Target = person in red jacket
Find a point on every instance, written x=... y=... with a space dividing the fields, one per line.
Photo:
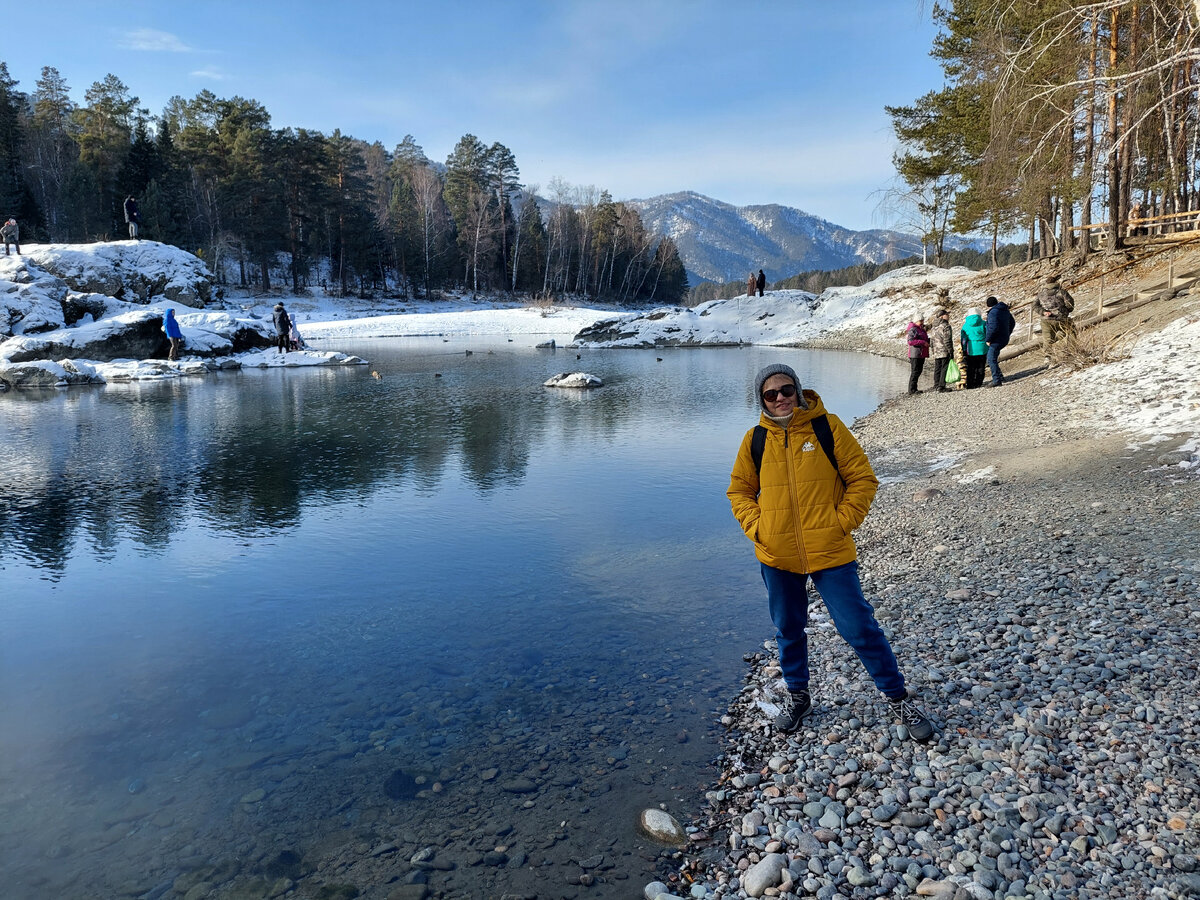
x=799 y=507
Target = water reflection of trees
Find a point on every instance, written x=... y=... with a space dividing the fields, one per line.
x=249 y=452
x=247 y=456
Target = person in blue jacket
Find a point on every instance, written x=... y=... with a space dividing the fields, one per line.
x=997 y=331
x=974 y=347
x=174 y=334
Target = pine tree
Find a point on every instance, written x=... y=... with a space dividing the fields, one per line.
x=670 y=280
x=306 y=176
x=466 y=181
x=15 y=196
x=105 y=128
x=502 y=176
x=52 y=149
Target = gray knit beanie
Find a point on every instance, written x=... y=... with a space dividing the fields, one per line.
x=777 y=369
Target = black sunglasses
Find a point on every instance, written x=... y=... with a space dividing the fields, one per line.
x=788 y=390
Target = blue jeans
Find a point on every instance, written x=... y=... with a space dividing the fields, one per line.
x=787 y=597
x=993 y=362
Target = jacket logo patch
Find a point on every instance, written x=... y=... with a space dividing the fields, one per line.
x=808 y=447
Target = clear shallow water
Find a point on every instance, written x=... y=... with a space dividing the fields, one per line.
x=231 y=609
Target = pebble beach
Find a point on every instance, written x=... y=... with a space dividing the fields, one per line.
x=1037 y=575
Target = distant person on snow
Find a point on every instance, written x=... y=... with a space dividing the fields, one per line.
x=918 y=349
x=1056 y=305
x=941 y=346
x=171 y=328
x=12 y=234
x=798 y=502
x=751 y=284
x=132 y=217
x=283 y=327
x=997 y=330
x=974 y=347
x=761 y=282
x=294 y=338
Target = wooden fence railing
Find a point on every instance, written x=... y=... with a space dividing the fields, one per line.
x=1027 y=311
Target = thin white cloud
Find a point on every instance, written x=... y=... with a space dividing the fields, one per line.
x=154 y=41
x=210 y=74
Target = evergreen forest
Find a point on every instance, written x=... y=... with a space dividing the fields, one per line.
x=297 y=209
x=1072 y=123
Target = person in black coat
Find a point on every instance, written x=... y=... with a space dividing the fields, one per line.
x=997 y=331
x=761 y=282
x=132 y=217
x=283 y=327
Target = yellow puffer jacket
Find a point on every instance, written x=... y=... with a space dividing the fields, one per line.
x=796 y=510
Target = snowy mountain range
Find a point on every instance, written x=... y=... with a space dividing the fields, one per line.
x=721 y=242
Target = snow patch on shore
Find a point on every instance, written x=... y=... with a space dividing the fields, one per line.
x=1153 y=393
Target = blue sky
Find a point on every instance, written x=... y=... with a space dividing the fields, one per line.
x=748 y=102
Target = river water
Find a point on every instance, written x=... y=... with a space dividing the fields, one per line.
x=273 y=633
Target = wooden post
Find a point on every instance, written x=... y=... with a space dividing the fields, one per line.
x=1100 y=302
x=1171 y=272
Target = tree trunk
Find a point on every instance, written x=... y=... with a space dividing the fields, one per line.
x=1116 y=237
x=1089 y=145
x=1130 y=136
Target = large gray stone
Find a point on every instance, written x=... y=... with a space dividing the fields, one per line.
x=766 y=873
x=661 y=827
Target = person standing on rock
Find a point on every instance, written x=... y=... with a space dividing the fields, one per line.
x=997 y=330
x=751 y=284
x=174 y=334
x=941 y=347
x=800 y=485
x=12 y=234
x=974 y=347
x=918 y=349
x=132 y=217
x=1056 y=305
x=283 y=327
x=761 y=282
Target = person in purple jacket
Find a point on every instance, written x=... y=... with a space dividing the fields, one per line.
x=918 y=349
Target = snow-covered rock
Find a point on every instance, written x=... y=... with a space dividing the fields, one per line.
x=573 y=380
x=47 y=373
x=780 y=318
x=137 y=334
x=31 y=299
x=134 y=271
x=40 y=373
x=130 y=334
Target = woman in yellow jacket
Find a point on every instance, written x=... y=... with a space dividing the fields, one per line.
x=799 y=508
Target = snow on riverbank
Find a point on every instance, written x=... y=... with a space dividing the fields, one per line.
x=882 y=307
x=463 y=320
x=1154 y=393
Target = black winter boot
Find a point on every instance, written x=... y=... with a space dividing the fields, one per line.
x=912 y=717
x=797 y=706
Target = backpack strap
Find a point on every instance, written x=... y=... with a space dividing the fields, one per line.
x=758 y=443
x=820 y=427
